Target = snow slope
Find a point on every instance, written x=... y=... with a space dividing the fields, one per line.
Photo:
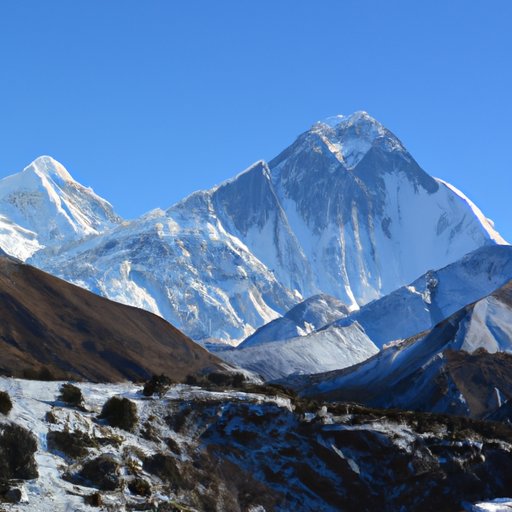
x=434 y=296
x=344 y=211
x=276 y=349
x=329 y=349
x=302 y=319
x=182 y=265
x=44 y=206
x=198 y=449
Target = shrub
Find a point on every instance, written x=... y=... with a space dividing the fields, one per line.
x=17 y=449
x=120 y=412
x=93 y=500
x=72 y=444
x=158 y=384
x=42 y=373
x=13 y=495
x=234 y=380
x=191 y=380
x=5 y=403
x=102 y=472
x=164 y=467
x=217 y=379
x=140 y=487
x=50 y=417
x=71 y=395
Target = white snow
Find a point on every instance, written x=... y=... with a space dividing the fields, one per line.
x=496 y=505
x=330 y=349
x=43 y=206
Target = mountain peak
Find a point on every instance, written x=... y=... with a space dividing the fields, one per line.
x=358 y=117
x=50 y=168
x=350 y=137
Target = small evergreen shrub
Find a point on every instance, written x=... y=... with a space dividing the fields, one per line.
x=5 y=403
x=17 y=449
x=140 y=487
x=165 y=468
x=120 y=412
x=157 y=385
x=102 y=472
x=71 y=395
x=93 y=500
x=72 y=444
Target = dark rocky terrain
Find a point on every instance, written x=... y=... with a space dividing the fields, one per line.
x=252 y=449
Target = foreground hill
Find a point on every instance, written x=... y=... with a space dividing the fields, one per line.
x=218 y=450
x=47 y=323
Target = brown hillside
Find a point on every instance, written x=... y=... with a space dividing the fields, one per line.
x=46 y=322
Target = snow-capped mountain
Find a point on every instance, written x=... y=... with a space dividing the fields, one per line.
x=344 y=211
x=302 y=319
x=329 y=349
x=338 y=340
x=44 y=206
x=180 y=264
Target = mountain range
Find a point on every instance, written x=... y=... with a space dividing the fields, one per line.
x=344 y=211
x=461 y=366
x=373 y=300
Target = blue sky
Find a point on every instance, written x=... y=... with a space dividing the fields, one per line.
x=147 y=101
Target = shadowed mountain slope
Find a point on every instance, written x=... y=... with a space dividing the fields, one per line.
x=46 y=322
x=462 y=366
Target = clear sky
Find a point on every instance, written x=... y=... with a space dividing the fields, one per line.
x=149 y=100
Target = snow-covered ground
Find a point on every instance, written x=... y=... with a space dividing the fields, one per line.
x=233 y=450
x=497 y=505
x=33 y=400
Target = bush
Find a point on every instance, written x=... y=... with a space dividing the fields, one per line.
x=93 y=500
x=217 y=379
x=120 y=412
x=17 y=449
x=42 y=373
x=140 y=487
x=102 y=472
x=158 y=384
x=72 y=444
x=191 y=380
x=164 y=467
x=5 y=403
x=226 y=379
x=71 y=395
